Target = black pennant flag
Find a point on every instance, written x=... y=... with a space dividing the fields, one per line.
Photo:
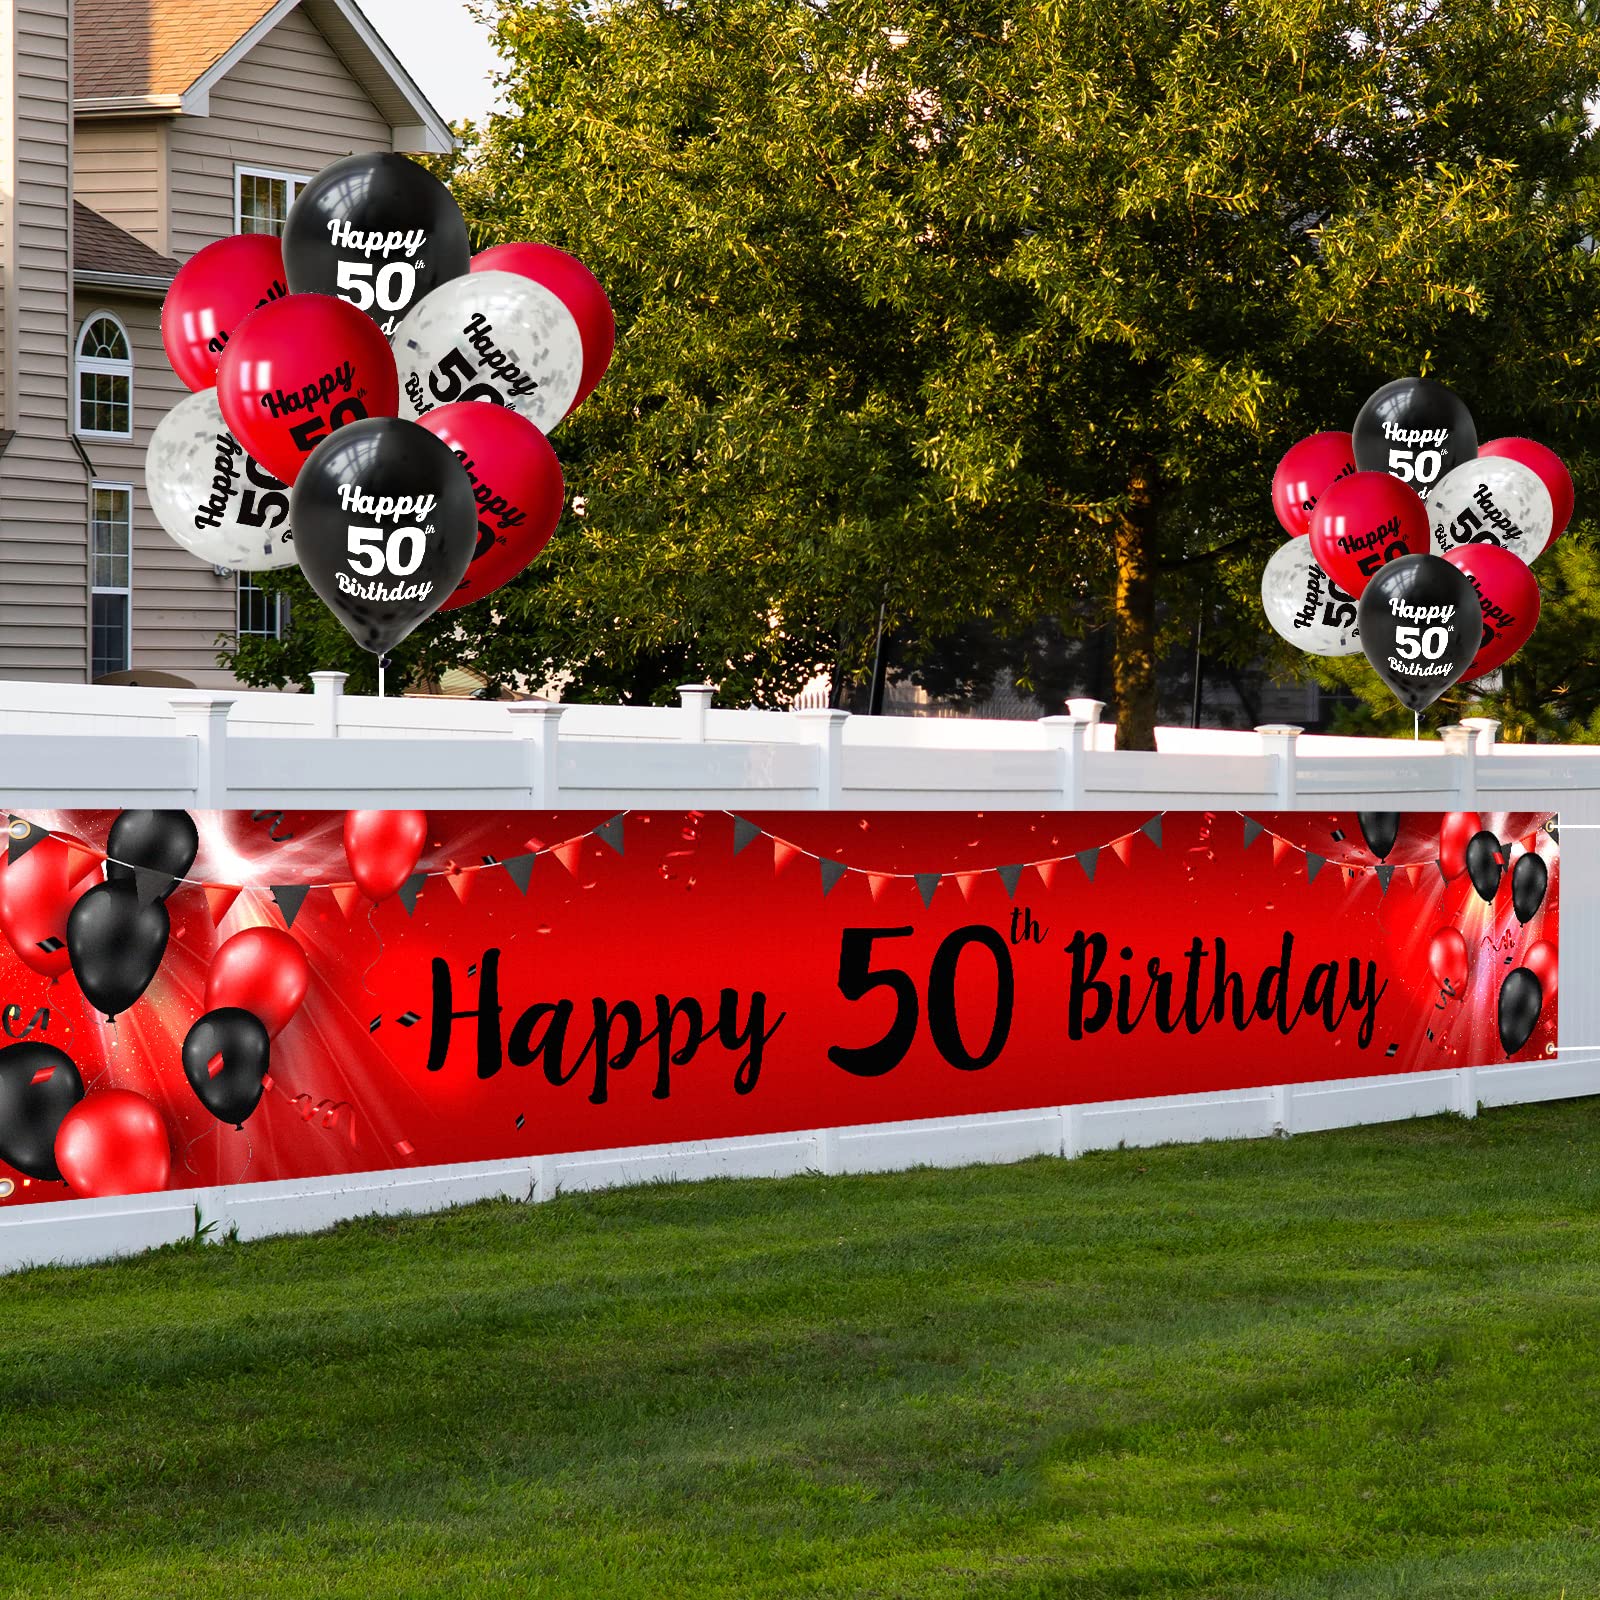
x=1252 y=829
x=410 y=889
x=1314 y=865
x=521 y=870
x=1385 y=873
x=1152 y=831
x=21 y=837
x=290 y=897
x=611 y=832
x=1010 y=877
x=744 y=833
x=1088 y=859
x=832 y=872
x=927 y=882
x=150 y=883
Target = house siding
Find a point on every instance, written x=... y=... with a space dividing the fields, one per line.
x=289 y=105
x=119 y=168
x=44 y=598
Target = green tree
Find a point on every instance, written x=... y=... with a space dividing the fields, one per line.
x=997 y=312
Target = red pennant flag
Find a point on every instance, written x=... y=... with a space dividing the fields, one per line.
x=220 y=897
x=81 y=861
x=1047 y=871
x=879 y=883
x=570 y=855
x=347 y=897
x=968 y=883
x=782 y=854
x=1414 y=876
x=461 y=882
x=1281 y=848
x=1123 y=849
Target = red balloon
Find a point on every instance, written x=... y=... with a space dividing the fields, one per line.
x=1540 y=960
x=1304 y=474
x=263 y=971
x=214 y=291
x=37 y=891
x=1509 y=595
x=383 y=847
x=1551 y=471
x=1447 y=959
x=1456 y=832
x=114 y=1142
x=576 y=287
x=299 y=368
x=1364 y=521
x=517 y=483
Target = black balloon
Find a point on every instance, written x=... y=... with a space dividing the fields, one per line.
x=376 y=230
x=39 y=1085
x=1380 y=829
x=1421 y=622
x=385 y=526
x=1529 y=880
x=238 y=1041
x=1414 y=429
x=116 y=943
x=1521 y=1000
x=164 y=842
x=1485 y=863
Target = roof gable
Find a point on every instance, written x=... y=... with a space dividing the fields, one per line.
x=104 y=253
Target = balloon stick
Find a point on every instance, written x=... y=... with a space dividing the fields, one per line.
x=1416 y=725
x=383 y=663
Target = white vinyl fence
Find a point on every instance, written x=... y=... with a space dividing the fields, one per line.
x=70 y=746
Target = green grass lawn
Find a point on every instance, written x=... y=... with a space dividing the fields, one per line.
x=1355 y=1364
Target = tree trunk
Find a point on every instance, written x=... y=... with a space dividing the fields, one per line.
x=1134 y=668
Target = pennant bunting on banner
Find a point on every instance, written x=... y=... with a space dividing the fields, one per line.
x=1413 y=876
x=1010 y=877
x=1152 y=831
x=1047 y=871
x=968 y=883
x=520 y=870
x=461 y=883
x=21 y=837
x=1280 y=849
x=347 y=897
x=927 y=884
x=220 y=898
x=611 y=832
x=1385 y=872
x=290 y=897
x=1442 y=873
x=80 y=862
x=1252 y=831
x=150 y=883
x=1314 y=865
x=744 y=833
x=832 y=872
x=1122 y=849
x=1089 y=860
x=570 y=855
x=879 y=883
x=783 y=853
x=410 y=889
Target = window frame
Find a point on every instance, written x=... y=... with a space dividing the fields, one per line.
x=115 y=486
x=292 y=181
x=280 y=609
x=104 y=366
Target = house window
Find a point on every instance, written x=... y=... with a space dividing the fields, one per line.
x=110 y=576
x=261 y=615
x=262 y=198
x=105 y=379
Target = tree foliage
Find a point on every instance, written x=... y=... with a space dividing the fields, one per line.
x=999 y=312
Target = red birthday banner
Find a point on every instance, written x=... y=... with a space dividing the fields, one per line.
x=298 y=994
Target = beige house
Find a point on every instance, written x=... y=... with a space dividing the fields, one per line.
x=132 y=133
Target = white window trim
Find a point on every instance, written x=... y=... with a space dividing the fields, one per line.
x=100 y=588
x=116 y=369
x=279 y=606
x=243 y=170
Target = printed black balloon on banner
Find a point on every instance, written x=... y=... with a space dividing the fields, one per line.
x=385 y=526
x=226 y=1057
x=1380 y=829
x=376 y=230
x=1485 y=863
x=39 y=1085
x=1529 y=880
x=1415 y=429
x=116 y=942
x=1421 y=623
x=164 y=842
x=1521 y=1001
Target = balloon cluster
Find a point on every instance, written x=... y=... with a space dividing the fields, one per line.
x=1410 y=541
x=371 y=400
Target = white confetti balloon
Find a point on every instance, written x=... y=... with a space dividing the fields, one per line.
x=218 y=502
x=493 y=336
x=1491 y=500
x=1305 y=605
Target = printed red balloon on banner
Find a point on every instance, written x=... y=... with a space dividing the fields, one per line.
x=516 y=480
x=114 y=1142
x=1447 y=959
x=1541 y=962
x=263 y=971
x=576 y=287
x=1304 y=474
x=298 y=369
x=1509 y=593
x=213 y=293
x=37 y=892
x=1549 y=468
x=1362 y=523
x=1456 y=832
x=383 y=848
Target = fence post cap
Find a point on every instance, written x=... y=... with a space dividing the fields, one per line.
x=1083 y=708
x=1457 y=738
